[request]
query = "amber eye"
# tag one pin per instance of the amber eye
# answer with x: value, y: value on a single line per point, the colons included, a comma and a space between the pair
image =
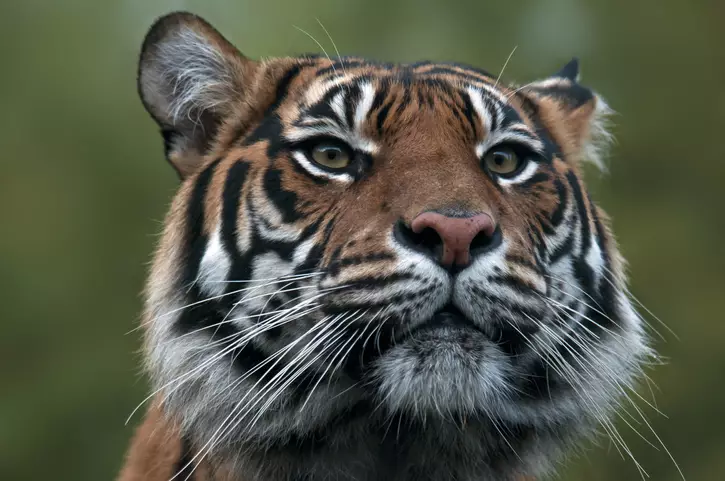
x: 330, y: 155
x: 501, y: 160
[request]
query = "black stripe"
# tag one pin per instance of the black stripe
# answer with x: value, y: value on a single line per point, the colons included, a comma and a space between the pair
x: 351, y: 100
x: 606, y: 286
x: 378, y: 282
x: 531, y: 109
x: 544, y: 222
x: 510, y: 116
x: 194, y: 239
x: 323, y: 108
x: 469, y: 112
x: 356, y: 260
x: 584, y: 274
x: 314, y: 256
x: 534, y: 179
x: 184, y: 469
x: 512, y: 306
x: 284, y: 84
x: 194, y: 244
x: 421, y: 99
x: 582, y: 270
x: 392, y: 300
x: 240, y: 268
x: 572, y: 96
x: 379, y: 98
x: 281, y: 93
x: 404, y: 103
x: 520, y: 285
x: 284, y: 200
x: 562, y: 249
x: 558, y: 215
x: 582, y: 209
x: 455, y: 109
x: 230, y: 206
x: 537, y: 239
x: 383, y: 115
x: 493, y: 111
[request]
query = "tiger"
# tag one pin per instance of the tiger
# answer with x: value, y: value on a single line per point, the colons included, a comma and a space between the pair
x: 375, y: 271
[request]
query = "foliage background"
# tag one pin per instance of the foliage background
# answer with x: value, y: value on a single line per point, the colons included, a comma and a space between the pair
x: 84, y: 185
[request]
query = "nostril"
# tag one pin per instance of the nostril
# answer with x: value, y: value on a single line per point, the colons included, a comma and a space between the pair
x: 428, y: 238
x: 427, y: 241
x: 483, y: 241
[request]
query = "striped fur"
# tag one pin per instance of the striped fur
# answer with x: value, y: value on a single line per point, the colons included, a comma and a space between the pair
x: 288, y: 327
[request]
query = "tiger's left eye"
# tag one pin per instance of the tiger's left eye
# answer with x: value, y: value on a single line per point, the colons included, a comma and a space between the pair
x: 331, y: 156
x: 501, y: 161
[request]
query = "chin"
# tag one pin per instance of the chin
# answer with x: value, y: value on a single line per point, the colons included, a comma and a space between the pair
x: 446, y: 367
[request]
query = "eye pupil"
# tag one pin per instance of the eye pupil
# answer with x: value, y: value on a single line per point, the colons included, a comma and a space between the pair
x: 331, y: 154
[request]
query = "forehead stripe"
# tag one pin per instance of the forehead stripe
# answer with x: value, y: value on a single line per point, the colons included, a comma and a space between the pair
x: 480, y: 108
x: 318, y: 92
x: 338, y: 106
x: 366, y: 101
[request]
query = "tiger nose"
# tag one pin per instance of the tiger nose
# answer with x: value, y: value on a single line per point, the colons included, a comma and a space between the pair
x: 458, y: 235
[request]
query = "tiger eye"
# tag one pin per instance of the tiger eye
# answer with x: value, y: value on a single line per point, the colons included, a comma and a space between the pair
x: 331, y: 156
x: 502, y: 161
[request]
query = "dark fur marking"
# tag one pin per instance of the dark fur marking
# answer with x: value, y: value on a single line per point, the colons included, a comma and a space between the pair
x: 284, y: 200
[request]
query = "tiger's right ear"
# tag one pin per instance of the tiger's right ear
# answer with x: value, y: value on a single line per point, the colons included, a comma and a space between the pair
x: 189, y: 79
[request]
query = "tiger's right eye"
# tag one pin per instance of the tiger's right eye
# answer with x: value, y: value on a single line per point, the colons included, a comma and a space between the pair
x: 331, y: 155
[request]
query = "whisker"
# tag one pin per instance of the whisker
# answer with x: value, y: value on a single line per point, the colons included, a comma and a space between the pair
x: 280, y: 320
x: 504, y: 66
x: 519, y: 89
x: 350, y: 341
x: 332, y: 64
x: 553, y: 358
x: 225, y: 424
x: 337, y: 52
x: 237, y: 291
x: 646, y: 422
x: 629, y: 293
x: 278, y: 382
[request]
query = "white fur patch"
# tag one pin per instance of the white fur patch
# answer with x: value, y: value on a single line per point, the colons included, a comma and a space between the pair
x: 214, y: 266
x: 198, y: 73
x: 311, y: 167
x: 523, y: 176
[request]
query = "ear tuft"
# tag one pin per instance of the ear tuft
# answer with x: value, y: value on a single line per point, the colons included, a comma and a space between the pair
x: 569, y: 71
x: 189, y: 79
x: 599, y: 138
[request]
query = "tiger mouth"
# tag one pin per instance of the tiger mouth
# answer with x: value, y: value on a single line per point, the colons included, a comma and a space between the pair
x: 448, y: 317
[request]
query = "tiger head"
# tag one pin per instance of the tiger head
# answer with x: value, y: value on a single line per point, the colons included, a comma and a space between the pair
x: 359, y: 245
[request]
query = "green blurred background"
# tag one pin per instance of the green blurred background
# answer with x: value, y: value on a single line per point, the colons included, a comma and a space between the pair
x: 84, y: 186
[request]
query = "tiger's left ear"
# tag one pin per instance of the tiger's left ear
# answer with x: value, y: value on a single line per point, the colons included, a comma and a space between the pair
x: 191, y: 79
x: 574, y: 114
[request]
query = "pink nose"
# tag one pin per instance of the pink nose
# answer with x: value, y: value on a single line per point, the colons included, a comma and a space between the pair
x: 457, y: 234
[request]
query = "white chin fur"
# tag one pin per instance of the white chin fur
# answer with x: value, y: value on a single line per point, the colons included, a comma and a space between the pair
x: 446, y: 371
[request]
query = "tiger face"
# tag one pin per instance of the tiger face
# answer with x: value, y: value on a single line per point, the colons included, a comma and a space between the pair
x: 356, y: 245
